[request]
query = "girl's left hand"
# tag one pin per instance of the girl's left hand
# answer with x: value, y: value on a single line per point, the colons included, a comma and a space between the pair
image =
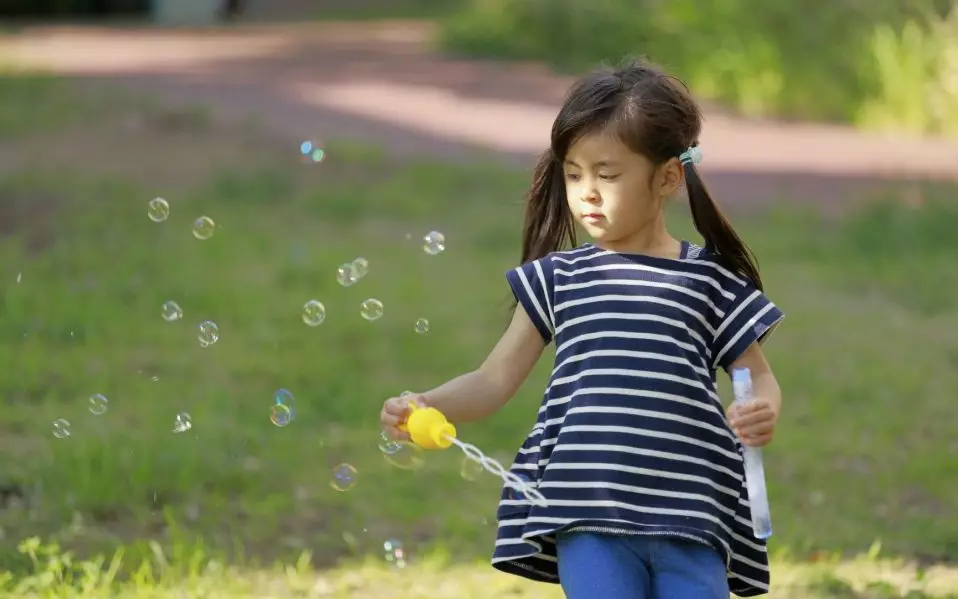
x: 753, y: 422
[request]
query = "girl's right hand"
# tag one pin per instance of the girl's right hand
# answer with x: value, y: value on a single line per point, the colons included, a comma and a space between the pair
x: 395, y: 412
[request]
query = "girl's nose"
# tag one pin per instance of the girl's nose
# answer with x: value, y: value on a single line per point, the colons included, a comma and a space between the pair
x: 592, y: 197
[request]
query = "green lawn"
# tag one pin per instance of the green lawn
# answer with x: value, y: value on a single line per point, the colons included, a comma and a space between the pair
x: 867, y: 358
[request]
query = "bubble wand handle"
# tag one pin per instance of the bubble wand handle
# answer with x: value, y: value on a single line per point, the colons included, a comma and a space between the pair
x: 494, y: 467
x: 754, y: 468
x: 428, y: 428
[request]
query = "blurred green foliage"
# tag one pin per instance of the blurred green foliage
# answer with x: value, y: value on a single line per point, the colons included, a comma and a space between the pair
x: 888, y: 64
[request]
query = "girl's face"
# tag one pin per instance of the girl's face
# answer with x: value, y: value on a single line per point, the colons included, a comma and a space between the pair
x: 614, y: 193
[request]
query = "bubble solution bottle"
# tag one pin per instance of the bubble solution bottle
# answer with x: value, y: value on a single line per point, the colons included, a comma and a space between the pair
x: 754, y: 470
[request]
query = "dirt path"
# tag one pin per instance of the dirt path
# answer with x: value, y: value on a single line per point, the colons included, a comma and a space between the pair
x: 379, y: 83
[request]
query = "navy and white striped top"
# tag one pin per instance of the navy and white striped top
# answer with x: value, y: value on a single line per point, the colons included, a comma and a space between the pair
x: 631, y: 437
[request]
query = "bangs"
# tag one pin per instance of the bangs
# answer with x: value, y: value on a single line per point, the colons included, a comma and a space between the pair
x: 621, y: 122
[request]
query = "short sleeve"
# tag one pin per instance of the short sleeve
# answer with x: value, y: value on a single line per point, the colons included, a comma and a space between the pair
x: 748, y: 317
x: 532, y: 286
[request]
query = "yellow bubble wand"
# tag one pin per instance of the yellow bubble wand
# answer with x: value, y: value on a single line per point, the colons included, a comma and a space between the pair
x: 429, y: 429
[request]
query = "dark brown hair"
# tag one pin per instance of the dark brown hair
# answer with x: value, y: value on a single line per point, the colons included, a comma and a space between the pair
x: 654, y: 115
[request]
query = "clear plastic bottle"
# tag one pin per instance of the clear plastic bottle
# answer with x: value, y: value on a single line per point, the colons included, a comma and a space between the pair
x: 754, y: 470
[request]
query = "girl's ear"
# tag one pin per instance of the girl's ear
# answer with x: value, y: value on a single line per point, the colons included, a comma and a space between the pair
x: 668, y: 178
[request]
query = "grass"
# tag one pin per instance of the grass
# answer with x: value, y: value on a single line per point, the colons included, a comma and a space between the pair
x: 867, y: 359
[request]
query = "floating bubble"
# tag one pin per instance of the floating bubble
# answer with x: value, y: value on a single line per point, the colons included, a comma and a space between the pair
x: 346, y: 275
x: 371, y: 309
x: 360, y: 267
x: 61, y: 428
x: 284, y: 397
x: 387, y: 445
x: 422, y: 326
x: 203, y: 228
x: 434, y: 243
x: 312, y: 152
x: 182, y: 423
x: 171, y: 311
x: 344, y: 477
x: 470, y: 469
x: 280, y: 414
x: 158, y: 210
x: 408, y: 456
x: 208, y: 333
x: 99, y: 404
x: 314, y: 313
x: 394, y: 554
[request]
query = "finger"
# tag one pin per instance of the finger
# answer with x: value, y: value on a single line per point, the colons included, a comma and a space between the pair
x: 745, y: 409
x: 757, y: 440
x: 417, y: 400
x: 748, y: 419
x: 390, y: 420
x: 760, y: 428
x: 396, y: 406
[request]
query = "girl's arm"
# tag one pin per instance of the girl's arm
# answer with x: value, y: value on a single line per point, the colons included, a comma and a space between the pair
x: 755, y: 423
x: 482, y: 392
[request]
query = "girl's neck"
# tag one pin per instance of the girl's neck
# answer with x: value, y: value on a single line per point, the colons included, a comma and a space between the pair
x: 653, y: 240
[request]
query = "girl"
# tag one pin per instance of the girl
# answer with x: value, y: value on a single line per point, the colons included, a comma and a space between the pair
x: 640, y: 469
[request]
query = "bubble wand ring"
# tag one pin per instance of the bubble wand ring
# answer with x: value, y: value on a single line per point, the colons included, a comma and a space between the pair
x: 429, y: 429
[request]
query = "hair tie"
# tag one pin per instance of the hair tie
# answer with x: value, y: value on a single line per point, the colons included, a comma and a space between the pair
x: 693, y: 155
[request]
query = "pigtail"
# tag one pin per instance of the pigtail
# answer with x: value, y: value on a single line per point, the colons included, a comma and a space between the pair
x: 549, y: 225
x: 717, y: 231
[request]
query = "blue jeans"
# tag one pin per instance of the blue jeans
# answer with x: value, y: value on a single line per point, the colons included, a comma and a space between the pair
x: 593, y: 566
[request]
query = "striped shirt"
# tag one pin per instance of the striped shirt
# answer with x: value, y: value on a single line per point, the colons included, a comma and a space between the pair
x: 631, y: 437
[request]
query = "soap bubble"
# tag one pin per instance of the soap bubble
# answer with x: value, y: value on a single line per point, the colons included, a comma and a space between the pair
x: 394, y: 553
x: 387, y: 445
x: 182, y: 423
x: 280, y: 415
x: 61, y: 429
x: 470, y: 469
x: 344, y: 477
x: 172, y: 311
x: 408, y: 456
x: 314, y: 313
x: 284, y: 397
x: 346, y: 274
x: 360, y: 267
x: 371, y: 309
x: 203, y: 228
x: 422, y: 326
x: 311, y: 152
x: 99, y: 404
x: 208, y: 333
x: 158, y: 210
x: 434, y: 243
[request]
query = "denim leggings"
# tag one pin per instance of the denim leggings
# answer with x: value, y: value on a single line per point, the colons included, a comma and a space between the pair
x: 593, y: 566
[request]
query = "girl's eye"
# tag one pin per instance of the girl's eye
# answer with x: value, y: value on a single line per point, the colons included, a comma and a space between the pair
x: 608, y: 177
x: 572, y: 176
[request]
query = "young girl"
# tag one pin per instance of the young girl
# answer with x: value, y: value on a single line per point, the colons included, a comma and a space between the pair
x: 640, y: 468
